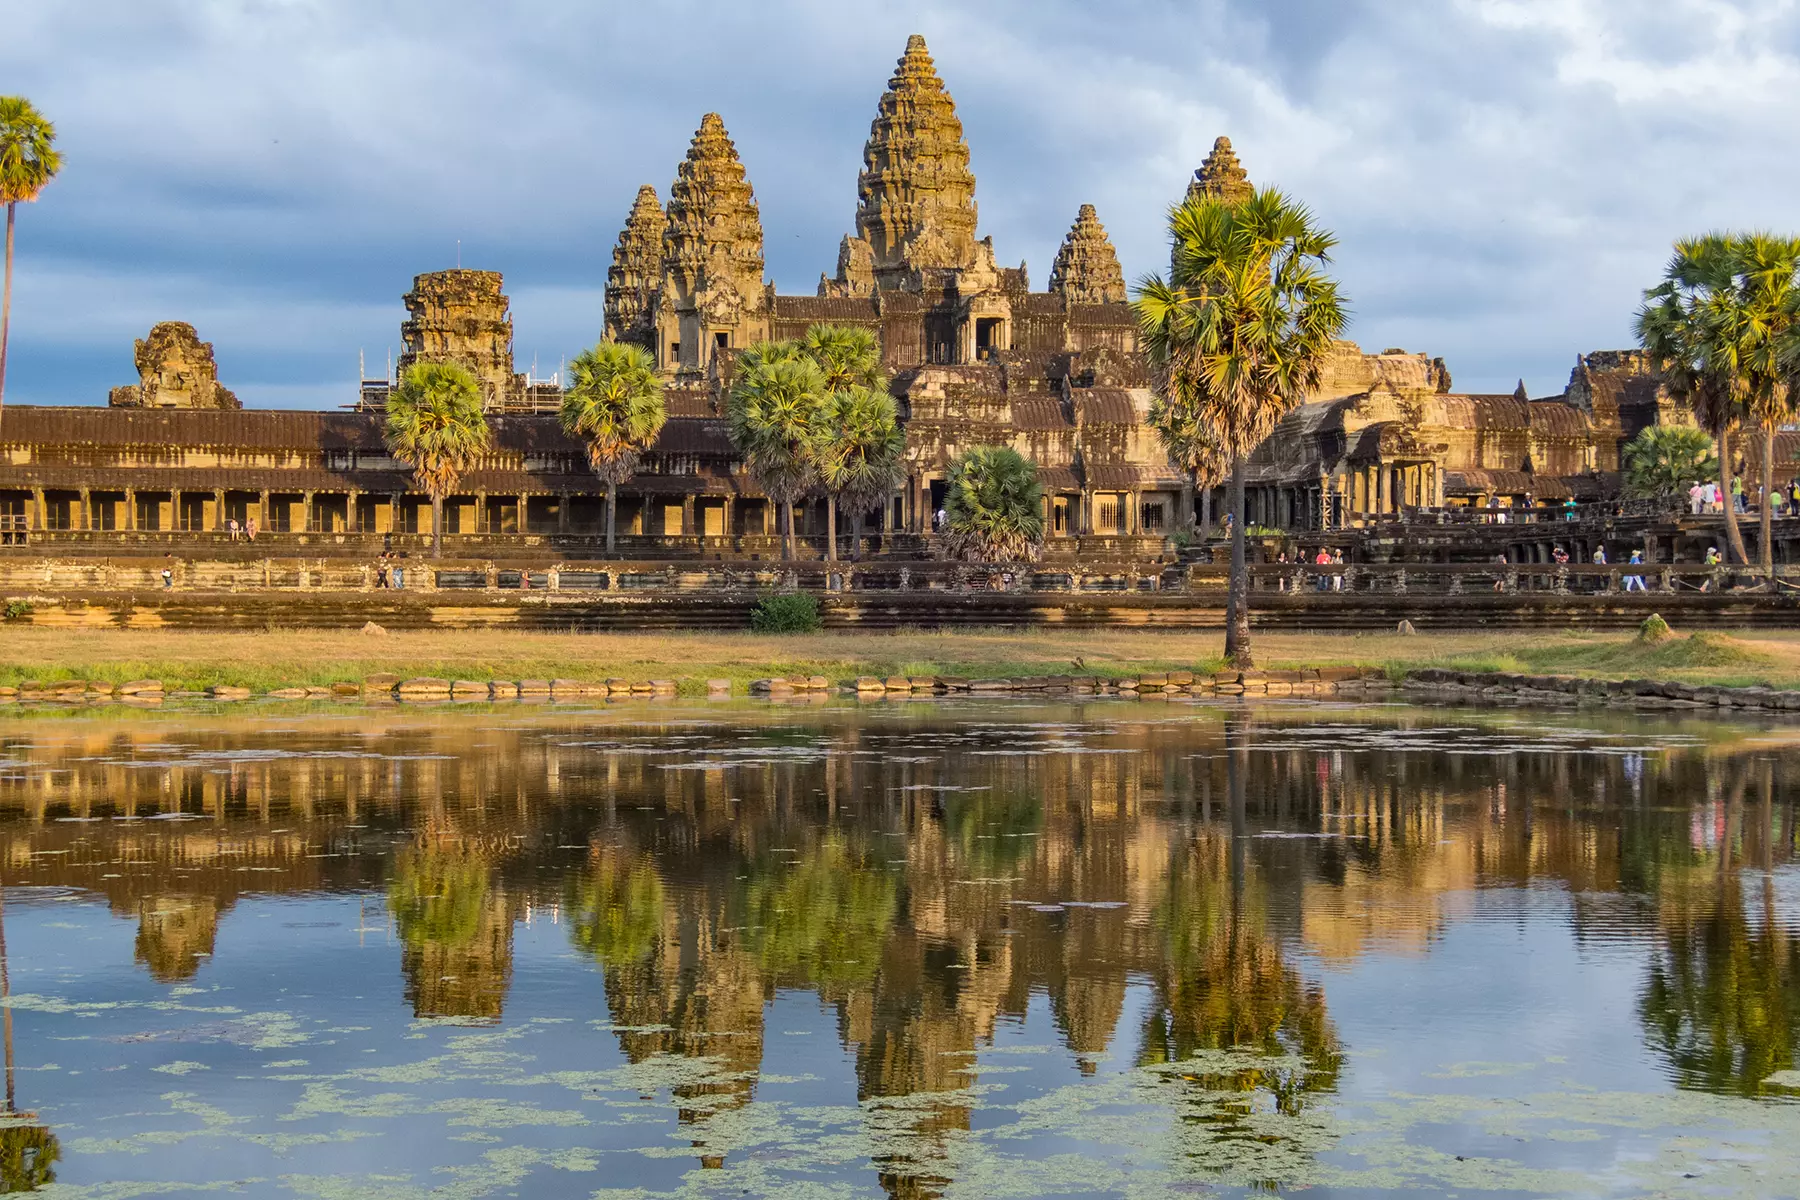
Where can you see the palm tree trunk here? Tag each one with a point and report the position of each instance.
(437, 527)
(1237, 608)
(1766, 551)
(831, 529)
(1732, 534)
(612, 516)
(6, 999)
(1206, 513)
(6, 324)
(787, 536)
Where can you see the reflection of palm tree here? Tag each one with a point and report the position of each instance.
(174, 932)
(456, 930)
(821, 922)
(1722, 1001)
(615, 908)
(28, 1151)
(1224, 982)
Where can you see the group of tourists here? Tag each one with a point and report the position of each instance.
(246, 531)
(1707, 498)
(389, 573)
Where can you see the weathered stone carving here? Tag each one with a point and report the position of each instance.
(712, 251)
(175, 370)
(916, 194)
(1086, 270)
(462, 316)
(1221, 176)
(855, 270)
(636, 272)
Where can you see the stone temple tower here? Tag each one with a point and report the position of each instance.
(916, 195)
(713, 294)
(463, 317)
(1086, 270)
(636, 273)
(1221, 176)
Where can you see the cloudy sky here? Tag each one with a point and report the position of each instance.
(1505, 175)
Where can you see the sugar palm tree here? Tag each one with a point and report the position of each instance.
(435, 426)
(994, 506)
(28, 162)
(1677, 326)
(1238, 334)
(859, 452)
(773, 416)
(614, 404)
(849, 356)
(1663, 460)
(1194, 448)
(1756, 329)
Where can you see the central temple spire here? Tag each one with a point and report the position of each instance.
(916, 194)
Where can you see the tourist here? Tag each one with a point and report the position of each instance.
(1337, 580)
(1599, 556)
(250, 529)
(168, 575)
(1560, 557)
(1569, 509)
(1794, 497)
(1636, 582)
(1323, 559)
(1281, 580)
(1737, 494)
(231, 529)
(399, 577)
(1696, 497)
(1500, 560)
(381, 571)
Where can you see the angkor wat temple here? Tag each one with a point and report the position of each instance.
(976, 356)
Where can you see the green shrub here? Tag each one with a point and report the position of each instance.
(789, 613)
(17, 610)
(1654, 629)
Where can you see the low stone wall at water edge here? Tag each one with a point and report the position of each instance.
(1440, 685)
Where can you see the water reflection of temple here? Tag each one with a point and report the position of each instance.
(912, 871)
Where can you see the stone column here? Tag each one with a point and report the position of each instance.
(264, 525)
(687, 516)
(306, 511)
(86, 519)
(562, 512)
(352, 521)
(43, 512)
(524, 521)
(1133, 516)
(218, 509)
(131, 521)
(396, 508)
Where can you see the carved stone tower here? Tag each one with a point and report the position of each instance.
(713, 295)
(1086, 270)
(1221, 176)
(636, 272)
(462, 317)
(175, 370)
(916, 194)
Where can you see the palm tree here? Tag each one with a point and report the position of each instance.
(773, 415)
(1760, 326)
(28, 162)
(1194, 448)
(435, 426)
(1677, 326)
(859, 452)
(849, 356)
(994, 507)
(615, 405)
(1663, 460)
(1238, 334)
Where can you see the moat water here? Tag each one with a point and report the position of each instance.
(958, 949)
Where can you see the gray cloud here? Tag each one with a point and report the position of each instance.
(1505, 175)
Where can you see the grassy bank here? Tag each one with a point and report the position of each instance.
(301, 658)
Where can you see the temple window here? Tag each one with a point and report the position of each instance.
(1151, 518)
(1109, 515)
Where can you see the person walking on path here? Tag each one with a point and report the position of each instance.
(1636, 582)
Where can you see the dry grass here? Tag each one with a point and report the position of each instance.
(273, 659)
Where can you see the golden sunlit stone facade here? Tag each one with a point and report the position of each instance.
(975, 355)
